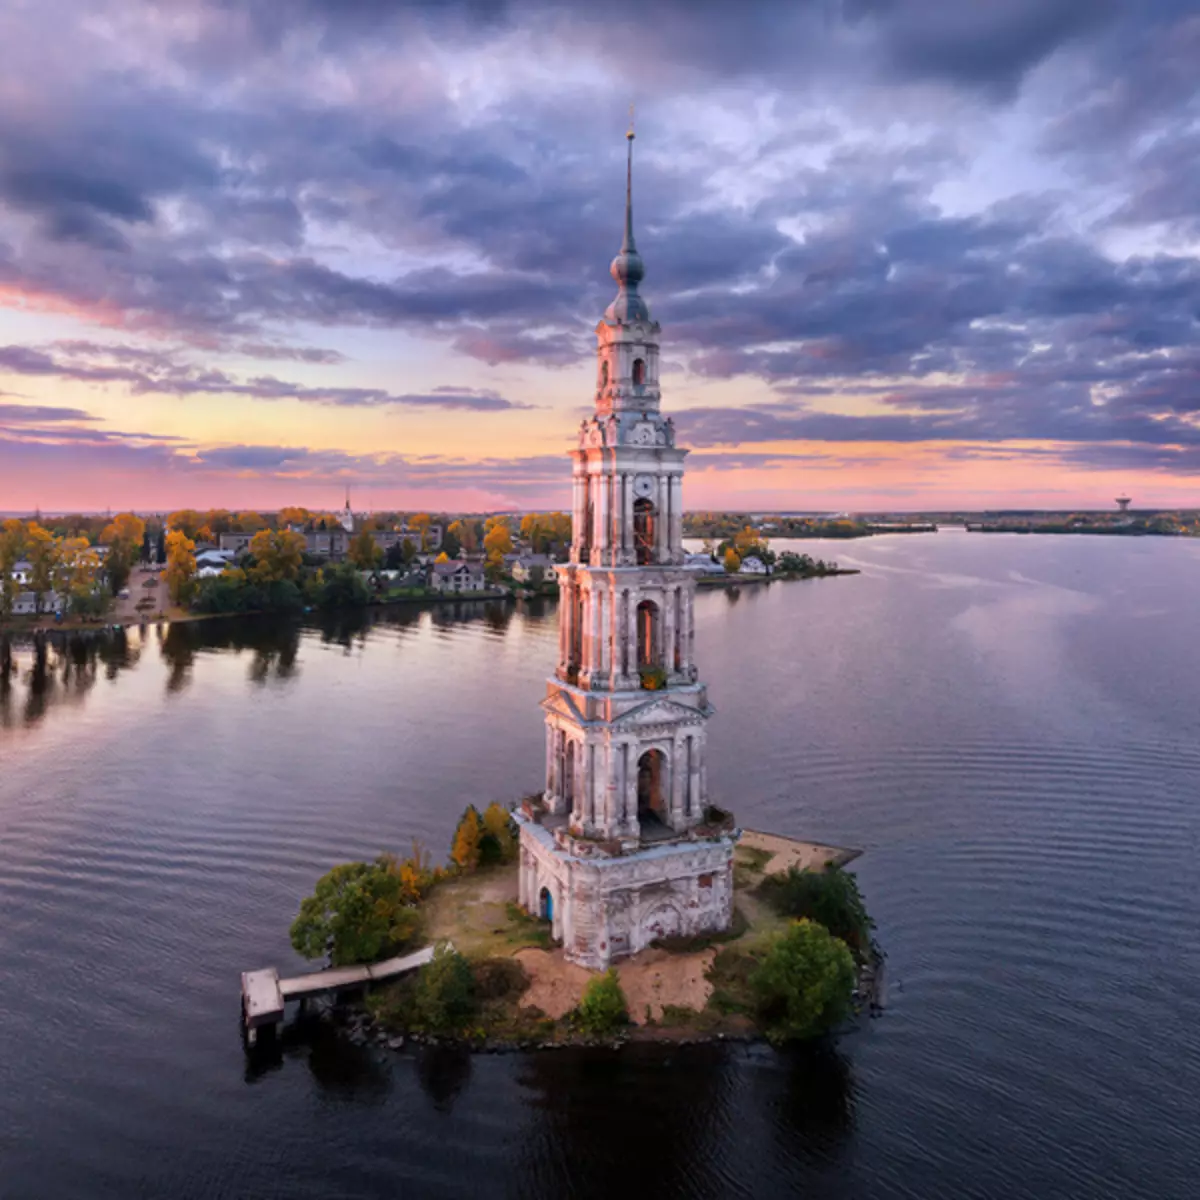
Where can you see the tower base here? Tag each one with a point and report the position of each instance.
(606, 902)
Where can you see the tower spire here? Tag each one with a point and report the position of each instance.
(628, 244)
(627, 268)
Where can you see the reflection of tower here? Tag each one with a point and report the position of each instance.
(621, 852)
(1123, 503)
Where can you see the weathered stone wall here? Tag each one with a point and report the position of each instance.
(607, 908)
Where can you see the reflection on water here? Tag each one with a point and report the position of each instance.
(1016, 754)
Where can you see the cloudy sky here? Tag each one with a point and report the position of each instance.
(905, 253)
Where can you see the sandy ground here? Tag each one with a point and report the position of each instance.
(652, 979)
(125, 611)
(788, 852)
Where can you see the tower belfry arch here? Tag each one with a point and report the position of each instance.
(628, 823)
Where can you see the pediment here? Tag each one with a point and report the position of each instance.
(658, 712)
(562, 704)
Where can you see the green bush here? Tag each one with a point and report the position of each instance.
(830, 897)
(804, 983)
(358, 912)
(444, 1001)
(603, 1008)
(498, 842)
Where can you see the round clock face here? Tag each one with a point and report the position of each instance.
(643, 486)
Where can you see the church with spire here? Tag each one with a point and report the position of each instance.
(623, 846)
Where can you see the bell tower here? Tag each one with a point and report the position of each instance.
(625, 712)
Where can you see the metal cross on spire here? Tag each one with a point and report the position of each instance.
(628, 244)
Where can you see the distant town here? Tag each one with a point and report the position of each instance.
(91, 569)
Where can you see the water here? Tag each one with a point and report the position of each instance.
(1007, 726)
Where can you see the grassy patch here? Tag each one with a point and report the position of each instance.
(730, 978)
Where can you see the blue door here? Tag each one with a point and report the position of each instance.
(547, 905)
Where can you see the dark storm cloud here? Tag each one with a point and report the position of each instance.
(226, 210)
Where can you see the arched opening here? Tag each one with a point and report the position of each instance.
(647, 634)
(643, 531)
(652, 789)
(604, 373)
(639, 371)
(546, 905)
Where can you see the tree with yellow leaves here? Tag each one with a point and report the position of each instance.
(187, 521)
(123, 536)
(249, 522)
(733, 561)
(442, 558)
(497, 542)
(466, 533)
(180, 573)
(293, 515)
(42, 548)
(465, 850)
(420, 526)
(12, 546)
(365, 552)
(278, 554)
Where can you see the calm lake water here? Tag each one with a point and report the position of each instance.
(1007, 726)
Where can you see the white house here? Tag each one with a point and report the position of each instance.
(212, 562)
(522, 567)
(753, 565)
(703, 564)
(457, 576)
(25, 604)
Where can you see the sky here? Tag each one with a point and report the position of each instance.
(906, 254)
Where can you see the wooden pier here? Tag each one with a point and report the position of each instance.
(264, 994)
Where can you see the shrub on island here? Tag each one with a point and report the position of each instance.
(804, 983)
(602, 1009)
(444, 1000)
(830, 897)
(484, 840)
(359, 912)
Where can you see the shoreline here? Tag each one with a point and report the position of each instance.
(679, 991)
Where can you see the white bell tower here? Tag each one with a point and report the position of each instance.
(626, 780)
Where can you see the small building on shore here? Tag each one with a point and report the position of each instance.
(457, 576)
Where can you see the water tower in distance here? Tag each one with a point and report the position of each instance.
(1123, 503)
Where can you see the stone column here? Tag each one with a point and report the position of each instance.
(676, 516)
(678, 780)
(631, 630)
(630, 765)
(627, 518)
(549, 792)
(579, 530)
(667, 649)
(604, 484)
(662, 524)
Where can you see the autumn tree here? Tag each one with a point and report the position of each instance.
(450, 543)
(278, 554)
(733, 561)
(442, 558)
(293, 515)
(180, 573)
(42, 550)
(466, 533)
(465, 849)
(123, 536)
(365, 552)
(497, 542)
(187, 521)
(358, 912)
(78, 571)
(249, 522)
(420, 526)
(12, 547)
(500, 839)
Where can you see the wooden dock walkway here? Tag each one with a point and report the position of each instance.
(264, 994)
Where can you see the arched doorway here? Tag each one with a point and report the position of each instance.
(643, 531)
(639, 371)
(652, 788)
(546, 905)
(647, 634)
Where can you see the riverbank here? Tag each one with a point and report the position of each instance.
(679, 990)
(726, 581)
